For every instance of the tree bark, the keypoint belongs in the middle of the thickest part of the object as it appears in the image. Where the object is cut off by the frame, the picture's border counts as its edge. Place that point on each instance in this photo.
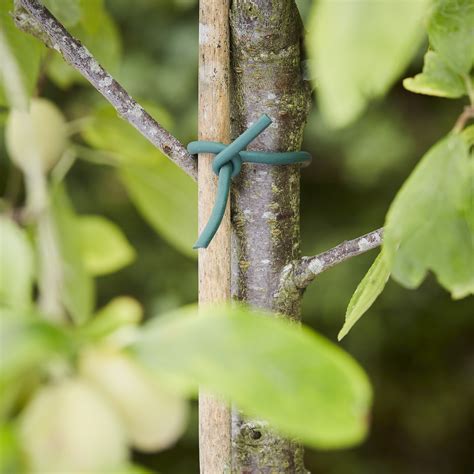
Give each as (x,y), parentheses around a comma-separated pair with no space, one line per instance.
(267,270)
(267,78)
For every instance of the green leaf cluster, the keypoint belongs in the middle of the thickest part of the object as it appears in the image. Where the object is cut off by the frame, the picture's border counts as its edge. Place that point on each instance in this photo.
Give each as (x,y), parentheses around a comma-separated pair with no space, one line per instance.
(304,385)
(21,54)
(105,249)
(164,195)
(77,288)
(451,33)
(297,380)
(449,62)
(92,25)
(89,246)
(358,49)
(17,267)
(20,58)
(27,344)
(282,378)
(429,227)
(437,79)
(430,224)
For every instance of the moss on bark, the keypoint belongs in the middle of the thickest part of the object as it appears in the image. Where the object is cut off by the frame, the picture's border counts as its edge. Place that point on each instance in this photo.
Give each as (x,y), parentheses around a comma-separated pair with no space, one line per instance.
(267,78)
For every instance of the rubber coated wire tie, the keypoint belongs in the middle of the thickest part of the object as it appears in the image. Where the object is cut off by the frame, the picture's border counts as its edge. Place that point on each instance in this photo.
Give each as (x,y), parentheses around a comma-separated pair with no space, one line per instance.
(228,163)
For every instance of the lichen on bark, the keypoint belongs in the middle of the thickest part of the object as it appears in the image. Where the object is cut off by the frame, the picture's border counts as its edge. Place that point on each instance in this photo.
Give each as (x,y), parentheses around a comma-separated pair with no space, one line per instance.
(266,78)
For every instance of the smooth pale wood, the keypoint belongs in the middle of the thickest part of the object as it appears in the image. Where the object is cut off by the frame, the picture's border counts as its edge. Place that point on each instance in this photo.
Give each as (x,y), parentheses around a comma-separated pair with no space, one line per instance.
(214,262)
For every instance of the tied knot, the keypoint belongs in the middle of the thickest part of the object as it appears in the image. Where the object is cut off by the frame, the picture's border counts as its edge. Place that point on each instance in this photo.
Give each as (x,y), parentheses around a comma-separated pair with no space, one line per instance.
(223,156)
(234,161)
(228,163)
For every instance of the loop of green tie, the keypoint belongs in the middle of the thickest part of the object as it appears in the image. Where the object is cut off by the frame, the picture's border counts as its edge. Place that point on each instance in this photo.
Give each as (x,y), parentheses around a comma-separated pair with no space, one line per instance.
(227,164)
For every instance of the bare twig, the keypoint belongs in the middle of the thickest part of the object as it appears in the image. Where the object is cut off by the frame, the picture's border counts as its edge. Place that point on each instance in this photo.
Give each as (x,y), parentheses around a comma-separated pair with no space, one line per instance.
(306,269)
(77,55)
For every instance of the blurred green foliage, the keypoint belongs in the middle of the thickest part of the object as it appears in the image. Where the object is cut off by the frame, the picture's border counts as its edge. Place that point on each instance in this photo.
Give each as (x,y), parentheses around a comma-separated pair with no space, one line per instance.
(366,293)
(416,246)
(165,195)
(84,388)
(358,49)
(416,346)
(274,378)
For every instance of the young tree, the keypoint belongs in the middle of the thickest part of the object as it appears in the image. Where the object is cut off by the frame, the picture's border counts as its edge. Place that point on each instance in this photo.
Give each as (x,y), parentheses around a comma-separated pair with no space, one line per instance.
(252,63)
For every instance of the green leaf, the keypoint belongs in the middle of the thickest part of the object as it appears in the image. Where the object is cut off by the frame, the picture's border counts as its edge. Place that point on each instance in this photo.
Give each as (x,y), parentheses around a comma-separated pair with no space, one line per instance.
(106,131)
(366,293)
(73,413)
(105,249)
(468,210)
(119,312)
(104,43)
(359,49)
(436,79)
(451,33)
(167,198)
(301,383)
(11,456)
(67,11)
(92,11)
(16,266)
(468,136)
(27,342)
(427,226)
(77,285)
(164,195)
(20,57)
(154,417)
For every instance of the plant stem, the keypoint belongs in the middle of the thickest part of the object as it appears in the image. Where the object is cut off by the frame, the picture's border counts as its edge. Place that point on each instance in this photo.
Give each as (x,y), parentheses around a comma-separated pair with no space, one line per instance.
(50,269)
(466,115)
(49,258)
(302,272)
(79,57)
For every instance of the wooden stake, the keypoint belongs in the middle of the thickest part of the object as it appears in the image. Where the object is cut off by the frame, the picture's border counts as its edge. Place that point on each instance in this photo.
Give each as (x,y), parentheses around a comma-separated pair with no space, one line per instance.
(214,262)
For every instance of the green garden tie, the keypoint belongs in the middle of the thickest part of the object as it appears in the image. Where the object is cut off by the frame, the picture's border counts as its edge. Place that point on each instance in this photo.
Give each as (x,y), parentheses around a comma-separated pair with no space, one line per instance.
(227,164)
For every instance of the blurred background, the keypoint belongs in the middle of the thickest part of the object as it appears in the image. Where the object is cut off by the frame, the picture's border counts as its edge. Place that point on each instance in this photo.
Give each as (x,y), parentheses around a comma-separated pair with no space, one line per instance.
(415,345)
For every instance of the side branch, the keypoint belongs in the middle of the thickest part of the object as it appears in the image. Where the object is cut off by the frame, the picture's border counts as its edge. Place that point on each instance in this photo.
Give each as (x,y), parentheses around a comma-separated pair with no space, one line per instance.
(306,269)
(467,114)
(77,55)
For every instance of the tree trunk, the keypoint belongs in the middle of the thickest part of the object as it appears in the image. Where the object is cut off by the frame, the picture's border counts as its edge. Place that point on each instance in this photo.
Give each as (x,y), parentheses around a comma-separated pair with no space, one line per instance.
(267,78)
(266,269)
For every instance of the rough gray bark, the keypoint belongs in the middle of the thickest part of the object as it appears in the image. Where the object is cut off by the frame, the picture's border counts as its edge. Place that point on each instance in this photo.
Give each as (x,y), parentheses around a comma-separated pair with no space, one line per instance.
(267,270)
(302,272)
(267,78)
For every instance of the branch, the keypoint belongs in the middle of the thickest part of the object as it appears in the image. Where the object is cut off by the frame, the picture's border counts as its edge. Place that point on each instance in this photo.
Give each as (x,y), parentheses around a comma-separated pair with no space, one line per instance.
(77,55)
(306,269)
(467,114)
